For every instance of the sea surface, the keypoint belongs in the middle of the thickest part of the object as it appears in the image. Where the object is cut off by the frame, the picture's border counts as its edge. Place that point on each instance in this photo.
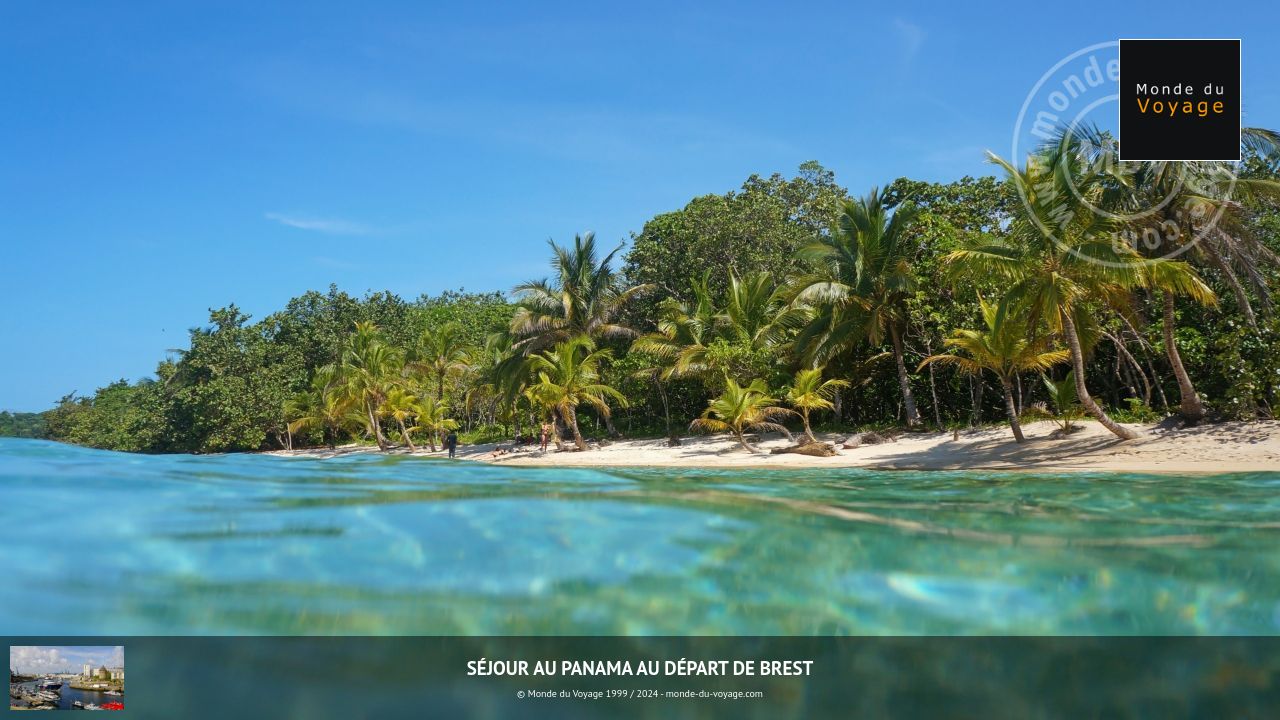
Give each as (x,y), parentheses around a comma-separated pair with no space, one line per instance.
(102,543)
(68,695)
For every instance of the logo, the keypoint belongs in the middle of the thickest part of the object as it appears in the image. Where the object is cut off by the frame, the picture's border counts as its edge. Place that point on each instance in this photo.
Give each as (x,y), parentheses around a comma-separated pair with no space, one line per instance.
(1160,207)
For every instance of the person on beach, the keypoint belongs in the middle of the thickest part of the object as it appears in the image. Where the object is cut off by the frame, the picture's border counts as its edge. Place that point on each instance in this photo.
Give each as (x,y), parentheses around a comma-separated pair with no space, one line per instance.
(546,435)
(451,442)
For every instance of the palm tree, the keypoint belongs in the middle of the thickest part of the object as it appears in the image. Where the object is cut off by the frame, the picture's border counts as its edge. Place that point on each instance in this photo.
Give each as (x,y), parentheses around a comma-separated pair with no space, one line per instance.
(756,314)
(862,280)
(1206,203)
(370,368)
(323,406)
(1062,393)
(568,376)
(402,406)
(684,331)
(1177,278)
(740,409)
(1169,206)
(1006,347)
(757,311)
(441,353)
(433,419)
(810,392)
(1058,257)
(585,298)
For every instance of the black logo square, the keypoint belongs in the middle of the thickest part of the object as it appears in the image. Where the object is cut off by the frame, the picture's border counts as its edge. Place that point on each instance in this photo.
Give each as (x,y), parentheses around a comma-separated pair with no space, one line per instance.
(1180,100)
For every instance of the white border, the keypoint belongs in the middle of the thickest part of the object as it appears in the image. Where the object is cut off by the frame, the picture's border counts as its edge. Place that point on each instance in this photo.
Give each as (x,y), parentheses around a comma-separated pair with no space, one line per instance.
(1239,111)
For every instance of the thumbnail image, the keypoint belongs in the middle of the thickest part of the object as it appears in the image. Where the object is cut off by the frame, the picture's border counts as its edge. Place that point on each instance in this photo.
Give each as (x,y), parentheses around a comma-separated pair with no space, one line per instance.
(66,677)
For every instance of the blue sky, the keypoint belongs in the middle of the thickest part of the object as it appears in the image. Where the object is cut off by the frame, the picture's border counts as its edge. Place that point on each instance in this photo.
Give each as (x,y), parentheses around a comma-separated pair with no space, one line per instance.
(159,159)
(41,659)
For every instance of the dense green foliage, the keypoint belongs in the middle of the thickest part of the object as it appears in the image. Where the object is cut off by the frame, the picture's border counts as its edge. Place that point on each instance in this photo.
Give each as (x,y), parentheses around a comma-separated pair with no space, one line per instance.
(23,425)
(783,303)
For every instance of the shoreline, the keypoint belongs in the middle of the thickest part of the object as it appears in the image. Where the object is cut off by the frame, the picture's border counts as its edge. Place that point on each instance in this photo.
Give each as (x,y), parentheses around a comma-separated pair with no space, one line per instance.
(1206,449)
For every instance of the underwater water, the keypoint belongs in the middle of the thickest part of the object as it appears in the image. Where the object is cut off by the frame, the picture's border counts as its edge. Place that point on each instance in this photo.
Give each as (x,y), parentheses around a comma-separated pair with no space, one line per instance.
(101,543)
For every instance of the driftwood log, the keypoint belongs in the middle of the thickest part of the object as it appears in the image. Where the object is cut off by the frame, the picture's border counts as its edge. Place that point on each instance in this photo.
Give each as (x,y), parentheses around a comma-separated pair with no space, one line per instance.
(816,449)
(867,438)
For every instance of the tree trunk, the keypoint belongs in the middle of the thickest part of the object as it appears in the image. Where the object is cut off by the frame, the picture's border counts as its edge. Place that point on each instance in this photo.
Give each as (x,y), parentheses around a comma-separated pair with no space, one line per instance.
(405,434)
(609,427)
(908,400)
(1082,392)
(975,397)
(742,439)
(786,433)
(1242,298)
(933,393)
(808,434)
(1191,407)
(666,408)
(1156,381)
(1134,366)
(376,426)
(1012,410)
(571,417)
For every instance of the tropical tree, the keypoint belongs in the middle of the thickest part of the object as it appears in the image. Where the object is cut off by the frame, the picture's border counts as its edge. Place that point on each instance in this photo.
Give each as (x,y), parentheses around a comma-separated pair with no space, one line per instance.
(1062,394)
(324,406)
(433,419)
(862,279)
(741,409)
(684,331)
(586,297)
(745,335)
(1058,257)
(1170,278)
(810,392)
(1202,209)
(370,368)
(568,375)
(1006,347)
(441,353)
(402,406)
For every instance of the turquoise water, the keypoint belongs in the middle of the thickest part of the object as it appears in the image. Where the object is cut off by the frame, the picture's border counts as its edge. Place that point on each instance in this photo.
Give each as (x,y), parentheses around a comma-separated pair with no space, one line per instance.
(101,543)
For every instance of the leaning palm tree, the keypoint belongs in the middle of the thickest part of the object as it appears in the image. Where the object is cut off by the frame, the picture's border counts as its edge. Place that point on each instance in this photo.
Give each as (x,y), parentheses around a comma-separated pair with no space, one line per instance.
(369,369)
(568,376)
(402,406)
(741,409)
(1058,259)
(585,297)
(810,392)
(1179,207)
(1170,278)
(862,281)
(1006,347)
(1204,209)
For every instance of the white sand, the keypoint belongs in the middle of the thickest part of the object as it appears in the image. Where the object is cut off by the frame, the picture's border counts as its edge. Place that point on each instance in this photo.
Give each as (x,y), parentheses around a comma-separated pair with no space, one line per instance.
(1226,447)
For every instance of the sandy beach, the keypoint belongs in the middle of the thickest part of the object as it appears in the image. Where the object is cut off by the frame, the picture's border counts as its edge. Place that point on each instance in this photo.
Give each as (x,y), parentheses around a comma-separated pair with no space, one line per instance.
(1225,447)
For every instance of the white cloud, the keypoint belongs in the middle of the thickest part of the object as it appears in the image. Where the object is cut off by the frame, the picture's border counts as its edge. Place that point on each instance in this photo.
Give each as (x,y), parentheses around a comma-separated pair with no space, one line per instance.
(324,225)
(40,659)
